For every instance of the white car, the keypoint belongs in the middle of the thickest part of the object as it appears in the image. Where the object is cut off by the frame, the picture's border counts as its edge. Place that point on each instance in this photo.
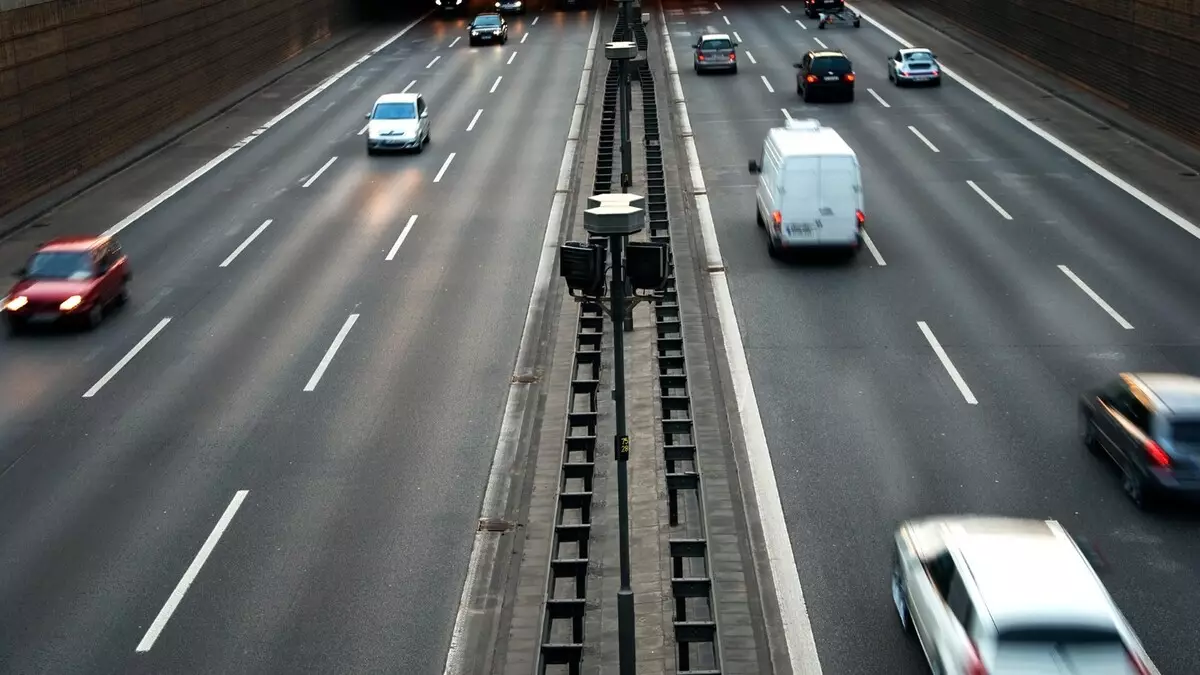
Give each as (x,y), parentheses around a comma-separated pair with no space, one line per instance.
(1008,596)
(914,66)
(398,122)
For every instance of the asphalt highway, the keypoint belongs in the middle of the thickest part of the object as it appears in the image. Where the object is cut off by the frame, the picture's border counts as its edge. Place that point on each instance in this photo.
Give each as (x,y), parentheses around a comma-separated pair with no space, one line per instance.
(318,400)
(970,217)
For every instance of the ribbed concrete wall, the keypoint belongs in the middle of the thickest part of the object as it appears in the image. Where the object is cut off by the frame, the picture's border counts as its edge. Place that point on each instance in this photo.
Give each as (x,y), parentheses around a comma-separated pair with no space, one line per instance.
(82,81)
(1144,54)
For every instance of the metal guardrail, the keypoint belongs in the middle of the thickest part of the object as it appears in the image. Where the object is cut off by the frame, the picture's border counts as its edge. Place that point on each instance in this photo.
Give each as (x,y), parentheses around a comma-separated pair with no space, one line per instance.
(562,641)
(695,620)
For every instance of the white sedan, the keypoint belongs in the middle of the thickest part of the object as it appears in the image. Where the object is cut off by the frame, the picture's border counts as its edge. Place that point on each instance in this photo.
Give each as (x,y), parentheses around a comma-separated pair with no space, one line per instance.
(914,66)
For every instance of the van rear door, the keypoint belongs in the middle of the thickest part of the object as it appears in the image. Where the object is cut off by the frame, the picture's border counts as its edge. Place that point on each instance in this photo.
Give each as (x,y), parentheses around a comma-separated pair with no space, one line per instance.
(839,200)
(800,199)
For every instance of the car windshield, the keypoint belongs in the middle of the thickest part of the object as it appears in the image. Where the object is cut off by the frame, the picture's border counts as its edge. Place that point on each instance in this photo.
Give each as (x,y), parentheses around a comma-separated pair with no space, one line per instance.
(919,57)
(831,64)
(1186,432)
(1082,650)
(716,44)
(395,111)
(65,265)
(487,21)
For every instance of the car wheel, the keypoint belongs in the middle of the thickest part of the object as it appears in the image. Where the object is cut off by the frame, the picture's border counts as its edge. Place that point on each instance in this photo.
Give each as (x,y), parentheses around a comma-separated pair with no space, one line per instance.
(806,95)
(122,298)
(850,97)
(1088,432)
(772,249)
(758,217)
(372,151)
(937,82)
(15,326)
(1135,489)
(899,596)
(821,26)
(857,23)
(95,316)
(733,70)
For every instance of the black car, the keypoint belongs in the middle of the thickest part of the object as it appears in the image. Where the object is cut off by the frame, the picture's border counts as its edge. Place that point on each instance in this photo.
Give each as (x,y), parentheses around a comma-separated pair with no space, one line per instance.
(488,28)
(814,8)
(510,6)
(450,7)
(828,72)
(1149,425)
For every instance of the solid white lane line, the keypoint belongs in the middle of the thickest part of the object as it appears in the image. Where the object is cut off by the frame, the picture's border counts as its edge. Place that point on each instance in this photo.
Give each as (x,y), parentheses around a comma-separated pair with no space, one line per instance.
(801,24)
(474,119)
(947,363)
(524,38)
(796,626)
(785,9)
(435,60)
(112,372)
(400,240)
(164,614)
(768,84)
(510,59)
(330,353)
(878,98)
(923,139)
(520,392)
(364,129)
(313,178)
(874,251)
(1181,222)
(442,171)
(216,161)
(407,87)
(736,37)
(823,45)
(978,190)
(751,57)
(1096,298)
(535,20)
(726,20)
(242,247)
(495,84)
(717,5)
(786,114)
(455,41)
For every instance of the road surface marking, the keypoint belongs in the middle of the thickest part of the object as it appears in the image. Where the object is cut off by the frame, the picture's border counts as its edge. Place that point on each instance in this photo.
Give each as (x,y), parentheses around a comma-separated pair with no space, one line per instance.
(454,42)
(435,60)
(407,87)
(253,235)
(737,38)
(474,119)
(510,59)
(785,9)
(312,179)
(878,98)
(1096,298)
(823,45)
(768,84)
(751,57)
(126,359)
(796,626)
(400,240)
(524,38)
(534,22)
(364,129)
(726,20)
(801,24)
(164,614)
(330,353)
(216,161)
(495,84)
(717,6)
(442,171)
(1183,223)
(923,139)
(989,200)
(947,363)
(874,251)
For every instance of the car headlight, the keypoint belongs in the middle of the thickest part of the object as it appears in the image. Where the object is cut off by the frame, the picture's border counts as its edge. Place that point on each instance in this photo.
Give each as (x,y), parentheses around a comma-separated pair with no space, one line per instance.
(13,304)
(70,303)
(496,32)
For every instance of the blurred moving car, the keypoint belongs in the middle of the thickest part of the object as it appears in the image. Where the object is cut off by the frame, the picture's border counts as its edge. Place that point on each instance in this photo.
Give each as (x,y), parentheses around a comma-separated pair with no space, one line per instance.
(715,51)
(66,279)
(815,8)
(398,122)
(510,7)
(451,7)
(825,72)
(1149,425)
(914,66)
(489,28)
(1008,596)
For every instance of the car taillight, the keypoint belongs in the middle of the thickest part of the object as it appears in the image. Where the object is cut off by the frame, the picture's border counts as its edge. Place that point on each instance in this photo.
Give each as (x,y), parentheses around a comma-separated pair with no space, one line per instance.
(732,56)
(699,57)
(810,78)
(933,72)
(974,663)
(777,217)
(860,217)
(1157,455)
(849,77)
(1138,665)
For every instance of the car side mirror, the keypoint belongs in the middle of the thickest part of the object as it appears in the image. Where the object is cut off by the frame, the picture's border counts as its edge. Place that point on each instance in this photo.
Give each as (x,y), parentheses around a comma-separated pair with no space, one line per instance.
(797,65)
(755,167)
(424,114)
(367,116)
(734,44)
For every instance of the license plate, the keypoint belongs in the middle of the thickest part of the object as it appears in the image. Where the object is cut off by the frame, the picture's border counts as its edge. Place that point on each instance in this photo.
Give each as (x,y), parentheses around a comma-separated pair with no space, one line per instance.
(44,317)
(920,77)
(799,229)
(831,78)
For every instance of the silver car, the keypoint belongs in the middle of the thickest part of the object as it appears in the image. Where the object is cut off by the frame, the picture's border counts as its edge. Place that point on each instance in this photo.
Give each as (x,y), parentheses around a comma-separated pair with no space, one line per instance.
(914,66)
(715,51)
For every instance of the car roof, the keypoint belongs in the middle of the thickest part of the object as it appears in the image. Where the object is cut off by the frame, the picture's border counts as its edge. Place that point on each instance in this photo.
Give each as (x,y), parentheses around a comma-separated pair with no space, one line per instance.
(488,15)
(74,243)
(828,52)
(397,98)
(1030,573)
(715,36)
(807,137)
(1171,392)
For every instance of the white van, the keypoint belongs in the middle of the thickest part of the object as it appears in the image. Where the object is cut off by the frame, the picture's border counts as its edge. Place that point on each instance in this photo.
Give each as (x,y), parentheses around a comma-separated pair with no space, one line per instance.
(809,189)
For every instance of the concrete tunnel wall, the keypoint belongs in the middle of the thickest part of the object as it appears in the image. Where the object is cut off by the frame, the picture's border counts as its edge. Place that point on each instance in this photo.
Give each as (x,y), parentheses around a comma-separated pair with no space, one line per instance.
(82,81)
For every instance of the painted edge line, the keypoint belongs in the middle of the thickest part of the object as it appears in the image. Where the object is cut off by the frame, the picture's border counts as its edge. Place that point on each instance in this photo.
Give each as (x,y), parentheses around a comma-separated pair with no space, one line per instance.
(947,363)
(1154,205)
(112,372)
(172,603)
(797,627)
(214,162)
(484,547)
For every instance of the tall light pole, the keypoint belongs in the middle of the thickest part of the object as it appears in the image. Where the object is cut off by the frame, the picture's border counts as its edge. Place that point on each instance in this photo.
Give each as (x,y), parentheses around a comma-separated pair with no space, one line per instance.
(623,53)
(617,217)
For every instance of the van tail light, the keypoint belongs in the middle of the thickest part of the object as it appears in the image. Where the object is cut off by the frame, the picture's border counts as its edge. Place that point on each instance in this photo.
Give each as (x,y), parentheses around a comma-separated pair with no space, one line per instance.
(1157,455)
(849,77)
(1139,667)
(732,56)
(777,217)
(810,78)
(974,663)
(860,217)
(699,57)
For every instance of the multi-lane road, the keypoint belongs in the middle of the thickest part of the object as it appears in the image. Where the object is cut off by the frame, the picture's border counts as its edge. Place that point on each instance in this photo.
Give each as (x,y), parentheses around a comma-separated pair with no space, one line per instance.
(939,371)
(272,460)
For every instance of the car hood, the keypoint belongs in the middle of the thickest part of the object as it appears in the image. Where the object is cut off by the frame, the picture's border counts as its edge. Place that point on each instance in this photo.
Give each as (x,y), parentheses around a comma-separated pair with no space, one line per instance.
(392,127)
(51,291)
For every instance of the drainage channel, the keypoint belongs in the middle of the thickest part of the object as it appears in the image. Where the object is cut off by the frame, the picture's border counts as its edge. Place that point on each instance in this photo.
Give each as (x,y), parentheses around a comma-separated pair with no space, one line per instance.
(695,619)
(562,640)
